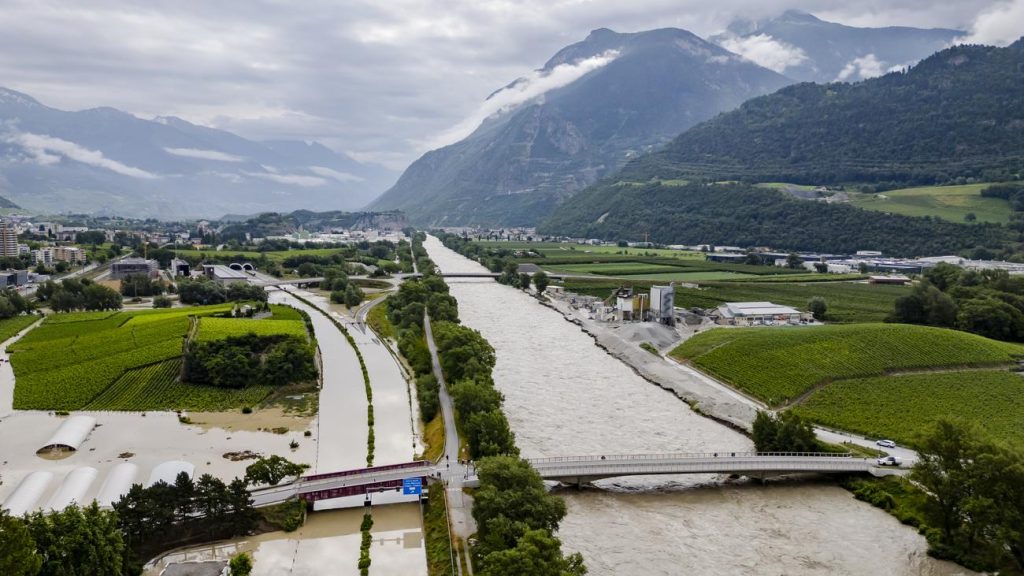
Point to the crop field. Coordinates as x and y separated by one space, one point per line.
275 256
72 359
156 387
220 328
901 407
847 301
951 203
9 327
778 365
282 312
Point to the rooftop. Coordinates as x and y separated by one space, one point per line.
756 309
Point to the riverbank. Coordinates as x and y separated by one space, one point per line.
704 395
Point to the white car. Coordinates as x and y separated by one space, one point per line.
889 461
886 443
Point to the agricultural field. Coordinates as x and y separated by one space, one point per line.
951 203
221 328
73 360
157 387
779 365
901 407
9 327
847 301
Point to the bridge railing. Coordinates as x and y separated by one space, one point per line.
686 456
363 471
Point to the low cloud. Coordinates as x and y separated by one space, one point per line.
204 154
862 68
766 51
290 179
47 150
339 176
523 90
1000 25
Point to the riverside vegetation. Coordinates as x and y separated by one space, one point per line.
516 516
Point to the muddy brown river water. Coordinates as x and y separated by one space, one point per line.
566 396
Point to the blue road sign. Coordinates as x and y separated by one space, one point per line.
412 486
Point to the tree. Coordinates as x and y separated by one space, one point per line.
271 471
942 469
241 565
537 553
862 267
540 281
821 267
511 501
817 307
353 296
162 302
991 318
794 261
78 541
18 555
970 217
786 432
524 281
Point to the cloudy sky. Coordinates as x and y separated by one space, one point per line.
381 80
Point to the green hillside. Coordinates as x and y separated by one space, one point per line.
742 215
955 114
778 365
952 203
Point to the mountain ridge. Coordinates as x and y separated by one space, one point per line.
105 161
519 164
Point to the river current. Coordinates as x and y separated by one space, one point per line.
565 396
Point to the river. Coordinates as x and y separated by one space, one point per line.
566 396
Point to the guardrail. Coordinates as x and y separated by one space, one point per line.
687 455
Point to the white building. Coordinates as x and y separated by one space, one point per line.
757 314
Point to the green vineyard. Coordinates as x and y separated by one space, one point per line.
778 365
157 387
91 359
10 327
220 328
901 407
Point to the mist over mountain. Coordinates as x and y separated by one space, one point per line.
808 49
633 93
105 161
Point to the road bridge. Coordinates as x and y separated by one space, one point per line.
576 470
316 280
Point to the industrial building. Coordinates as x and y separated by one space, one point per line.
757 314
180 267
224 274
123 268
663 304
12 278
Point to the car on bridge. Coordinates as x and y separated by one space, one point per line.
886 443
889 461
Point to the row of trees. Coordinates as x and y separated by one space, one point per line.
206 291
88 541
249 360
78 294
989 302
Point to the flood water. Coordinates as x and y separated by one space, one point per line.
565 396
327 544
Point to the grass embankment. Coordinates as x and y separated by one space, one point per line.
433 438
377 318
287 516
9 327
129 360
436 534
778 365
951 203
847 301
902 407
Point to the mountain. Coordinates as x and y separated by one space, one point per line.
522 162
956 116
808 49
105 161
5 203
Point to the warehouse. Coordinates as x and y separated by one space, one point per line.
757 314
